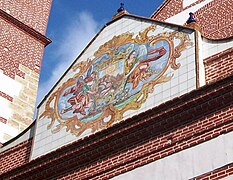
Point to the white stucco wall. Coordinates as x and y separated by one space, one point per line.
7 83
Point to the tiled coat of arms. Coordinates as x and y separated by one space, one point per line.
119 78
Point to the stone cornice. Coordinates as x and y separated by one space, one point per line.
218 56
40 37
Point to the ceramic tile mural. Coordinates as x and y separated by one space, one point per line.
132 66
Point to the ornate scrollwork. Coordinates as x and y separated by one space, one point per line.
97 97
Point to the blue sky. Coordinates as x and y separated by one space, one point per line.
72 24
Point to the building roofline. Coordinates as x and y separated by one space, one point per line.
165 2
93 39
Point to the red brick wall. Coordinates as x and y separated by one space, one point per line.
219 66
171 141
168 9
32 13
21 51
15 156
176 125
215 18
17 48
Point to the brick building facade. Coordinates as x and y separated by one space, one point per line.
23 26
178 125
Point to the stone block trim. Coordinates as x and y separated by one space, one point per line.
214 18
16 156
171 127
23 105
4 95
32 13
17 48
217 174
219 66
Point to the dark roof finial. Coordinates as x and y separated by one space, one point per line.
191 18
121 8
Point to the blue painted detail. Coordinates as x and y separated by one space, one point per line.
121 8
191 18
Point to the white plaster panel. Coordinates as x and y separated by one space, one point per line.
210 48
181 82
5 110
188 2
188 163
6 85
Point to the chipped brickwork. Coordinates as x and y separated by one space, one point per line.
215 18
219 66
33 13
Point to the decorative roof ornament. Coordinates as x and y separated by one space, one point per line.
191 18
192 23
120 12
121 8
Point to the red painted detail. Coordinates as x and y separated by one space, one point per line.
4 95
3 120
